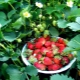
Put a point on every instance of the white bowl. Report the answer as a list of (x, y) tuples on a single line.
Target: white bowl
[(46, 72)]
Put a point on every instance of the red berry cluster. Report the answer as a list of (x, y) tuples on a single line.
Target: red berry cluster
[(47, 53)]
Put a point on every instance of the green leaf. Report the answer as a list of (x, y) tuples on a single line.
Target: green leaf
[(25, 33), (31, 70), (3, 69), (4, 58), (49, 10), (74, 26), (78, 56), (11, 13), (78, 64), (53, 31), (34, 78), (60, 77), (59, 7), (75, 13), (2, 15), (62, 23), (3, 22), (11, 36), (74, 42), (13, 73), (18, 23), (78, 20), (1, 35), (68, 49)]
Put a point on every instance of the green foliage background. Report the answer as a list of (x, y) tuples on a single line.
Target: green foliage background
[(15, 30)]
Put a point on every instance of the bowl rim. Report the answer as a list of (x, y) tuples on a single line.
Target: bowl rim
[(25, 61)]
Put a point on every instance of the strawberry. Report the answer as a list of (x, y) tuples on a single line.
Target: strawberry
[(36, 51), (61, 47), (47, 61), (38, 45), (40, 66), (70, 56), (44, 50), (49, 67), (61, 40), (30, 45), (32, 59), (39, 56), (42, 40), (65, 60), (49, 54), (54, 67), (57, 59), (47, 43)]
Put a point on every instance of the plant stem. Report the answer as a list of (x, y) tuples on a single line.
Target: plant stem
[(2, 46), (19, 62), (15, 63), (26, 76), (11, 6)]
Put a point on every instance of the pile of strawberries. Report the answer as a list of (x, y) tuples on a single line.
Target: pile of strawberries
[(47, 53)]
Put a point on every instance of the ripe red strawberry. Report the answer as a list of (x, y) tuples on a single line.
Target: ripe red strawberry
[(30, 45), (61, 47), (49, 67), (65, 60), (36, 51), (57, 59), (44, 50), (39, 56), (40, 66), (54, 67), (47, 61), (47, 43), (38, 45), (61, 40), (42, 40), (49, 54)]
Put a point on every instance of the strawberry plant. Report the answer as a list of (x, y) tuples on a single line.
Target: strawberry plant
[(24, 20)]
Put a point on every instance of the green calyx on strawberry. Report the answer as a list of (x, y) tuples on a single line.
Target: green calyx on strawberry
[(29, 52), (32, 59)]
